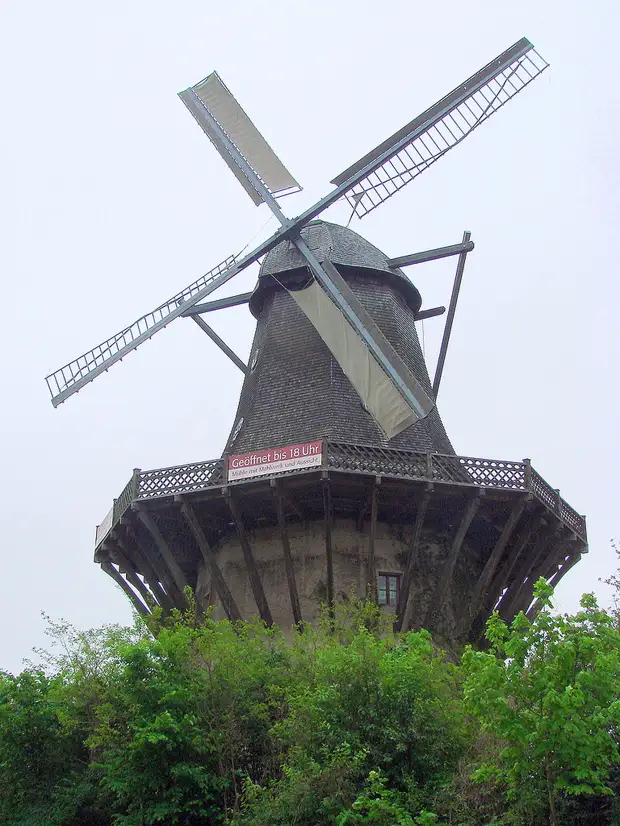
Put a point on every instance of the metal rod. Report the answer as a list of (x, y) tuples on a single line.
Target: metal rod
[(220, 343), (430, 255), (450, 318), (218, 304)]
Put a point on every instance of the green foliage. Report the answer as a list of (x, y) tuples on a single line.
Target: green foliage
[(548, 690), (346, 723)]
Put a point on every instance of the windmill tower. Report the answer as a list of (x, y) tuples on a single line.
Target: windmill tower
[(338, 474)]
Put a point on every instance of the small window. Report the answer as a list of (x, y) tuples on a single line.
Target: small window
[(389, 589), (235, 432)]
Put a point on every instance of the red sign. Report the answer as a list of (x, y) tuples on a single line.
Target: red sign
[(274, 460)]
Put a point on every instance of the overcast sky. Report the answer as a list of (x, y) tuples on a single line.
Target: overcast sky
[(113, 200)]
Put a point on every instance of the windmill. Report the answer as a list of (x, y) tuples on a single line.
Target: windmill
[(300, 260)]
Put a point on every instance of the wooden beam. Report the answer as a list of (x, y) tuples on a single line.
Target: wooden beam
[(177, 575), (328, 512), (371, 580), (431, 255), (220, 343), (250, 562), (218, 304), (119, 579), (289, 500), (480, 588), (525, 595), (148, 569), (412, 553), (564, 568), (503, 575), (447, 573), (226, 598), (528, 564), (432, 312), (443, 349), (131, 573), (286, 553)]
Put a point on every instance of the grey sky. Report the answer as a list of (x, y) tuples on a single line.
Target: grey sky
[(113, 199)]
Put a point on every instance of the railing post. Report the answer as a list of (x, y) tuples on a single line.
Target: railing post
[(135, 483), (528, 474), (558, 502), (324, 454)]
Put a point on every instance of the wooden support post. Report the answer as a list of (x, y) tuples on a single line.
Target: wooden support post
[(548, 551), (152, 577), (131, 573), (566, 565), (524, 570), (371, 579), (226, 598), (484, 580), (250, 562), (412, 553), (170, 563), (328, 521), (119, 579), (503, 575), (445, 578), (286, 552)]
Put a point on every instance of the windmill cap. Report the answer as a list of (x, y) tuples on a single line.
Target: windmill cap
[(335, 243)]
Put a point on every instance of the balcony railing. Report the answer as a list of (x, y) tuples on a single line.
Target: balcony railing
[(351, 458)]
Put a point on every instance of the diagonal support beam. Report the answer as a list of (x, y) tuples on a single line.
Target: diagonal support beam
[(176, 574), (220, 343), (492, 562), (132, 575), (447, 573), (226, 598), (146, 567), (120, 580), (250, 562), (528, 564), (445, 341), (412, 553), (286, 552)]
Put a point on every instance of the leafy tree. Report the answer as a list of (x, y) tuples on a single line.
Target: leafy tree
[(548, 690)]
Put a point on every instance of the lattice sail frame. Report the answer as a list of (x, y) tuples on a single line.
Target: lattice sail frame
[(411, 157), (114, 348)]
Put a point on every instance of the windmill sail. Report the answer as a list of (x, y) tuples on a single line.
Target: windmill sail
[(406, 154), (376, 390), (213, 105), (67, 380)]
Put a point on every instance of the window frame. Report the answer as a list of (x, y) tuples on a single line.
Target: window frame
[(388, 575)]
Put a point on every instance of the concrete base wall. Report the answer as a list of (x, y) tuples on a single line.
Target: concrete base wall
[(350, 563)]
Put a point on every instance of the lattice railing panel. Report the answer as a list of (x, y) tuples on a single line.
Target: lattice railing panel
[(547, 495), (387, 462), (573, 519), (180, 479), (494, 473), (124, 500)]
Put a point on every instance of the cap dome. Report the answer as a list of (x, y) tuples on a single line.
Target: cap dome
[(337, 244)]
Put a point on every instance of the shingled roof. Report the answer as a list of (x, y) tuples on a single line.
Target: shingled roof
[(295, 391), (340, 245)]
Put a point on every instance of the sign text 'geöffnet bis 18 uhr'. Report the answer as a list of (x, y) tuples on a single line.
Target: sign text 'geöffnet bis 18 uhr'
[(274, 460)]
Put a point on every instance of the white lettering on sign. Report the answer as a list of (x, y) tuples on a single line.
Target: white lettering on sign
[(275, 460)]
